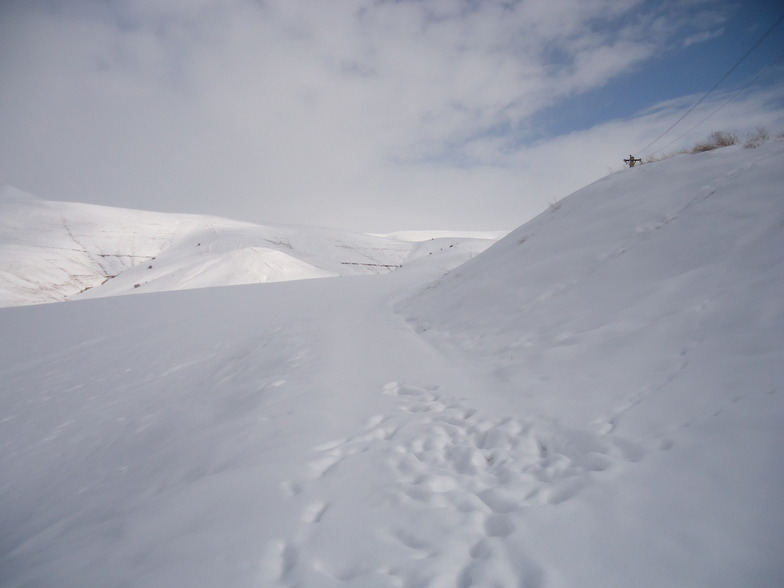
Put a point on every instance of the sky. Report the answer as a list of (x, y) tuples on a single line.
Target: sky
[(368, 115)]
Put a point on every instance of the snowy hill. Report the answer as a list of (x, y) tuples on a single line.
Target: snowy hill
[(53, 251), (643, 321), (594, 401)]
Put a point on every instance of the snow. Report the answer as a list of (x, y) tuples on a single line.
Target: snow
[(53, 251), (596, 400), (417, 236)]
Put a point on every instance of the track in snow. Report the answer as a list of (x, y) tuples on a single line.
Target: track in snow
[(448, 506)]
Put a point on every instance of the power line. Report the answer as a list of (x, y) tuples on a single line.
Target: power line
[(716, 85), (732, 98)]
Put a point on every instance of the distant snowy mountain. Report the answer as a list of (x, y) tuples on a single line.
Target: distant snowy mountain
[(53, 251), (597, 400)]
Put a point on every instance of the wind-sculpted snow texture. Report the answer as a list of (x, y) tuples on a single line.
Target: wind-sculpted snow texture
[(595, 401)]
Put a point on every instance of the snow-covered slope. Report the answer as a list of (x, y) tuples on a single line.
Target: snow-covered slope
[(644, 315), (53, 251), (594, 401)]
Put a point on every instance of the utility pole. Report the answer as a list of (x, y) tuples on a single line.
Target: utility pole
[(632, 160)]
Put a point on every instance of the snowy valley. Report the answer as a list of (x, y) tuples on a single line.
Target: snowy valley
[(595, 400)]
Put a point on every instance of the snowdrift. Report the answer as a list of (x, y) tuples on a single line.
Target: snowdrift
[(594, 401)]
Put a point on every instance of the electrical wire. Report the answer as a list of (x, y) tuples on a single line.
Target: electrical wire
[(732, 98), (716, 85)]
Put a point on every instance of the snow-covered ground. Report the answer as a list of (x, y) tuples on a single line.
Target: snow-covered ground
[(597, 400), (53, 251)]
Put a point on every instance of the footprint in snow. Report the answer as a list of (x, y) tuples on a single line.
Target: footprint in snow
[(458, 485)]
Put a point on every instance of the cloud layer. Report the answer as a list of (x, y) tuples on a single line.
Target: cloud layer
[(358, 113)]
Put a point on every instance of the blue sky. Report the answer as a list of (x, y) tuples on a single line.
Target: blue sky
[(681, 71), (364, 114), (685, 66)]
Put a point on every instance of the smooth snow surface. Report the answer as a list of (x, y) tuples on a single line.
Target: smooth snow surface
[(597, 401)]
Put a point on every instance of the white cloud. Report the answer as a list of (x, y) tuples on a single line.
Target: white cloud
[(703, 36), (347, 112)]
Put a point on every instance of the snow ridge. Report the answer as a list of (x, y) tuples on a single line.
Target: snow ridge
[(55, 251)]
